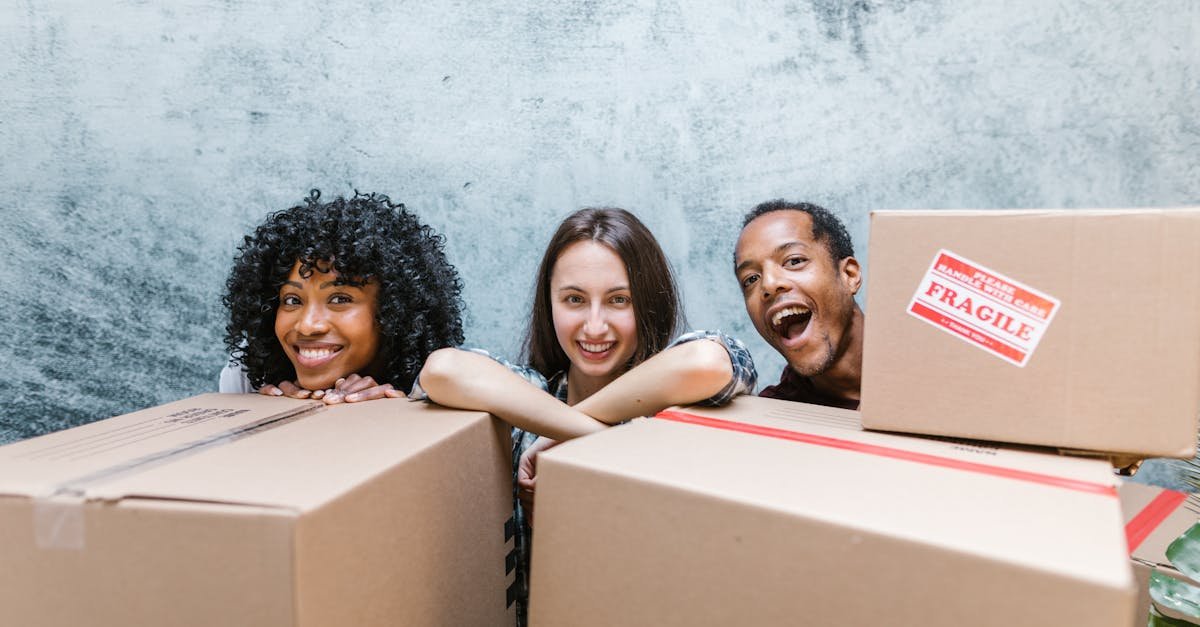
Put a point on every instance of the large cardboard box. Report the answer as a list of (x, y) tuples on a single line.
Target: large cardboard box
[(1075, 329), (1154, 518), (244, 510), (775, 513)]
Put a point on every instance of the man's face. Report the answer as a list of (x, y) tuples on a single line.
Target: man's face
[(800, 300)]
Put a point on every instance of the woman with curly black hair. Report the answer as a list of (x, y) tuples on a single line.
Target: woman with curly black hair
[(342, 300)]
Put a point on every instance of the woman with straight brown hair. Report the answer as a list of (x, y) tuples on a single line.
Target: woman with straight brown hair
[(598, 349)]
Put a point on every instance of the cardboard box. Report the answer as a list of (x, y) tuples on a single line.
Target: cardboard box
[(1154, 518), (776, 513), (1074, 329), (235, 510)]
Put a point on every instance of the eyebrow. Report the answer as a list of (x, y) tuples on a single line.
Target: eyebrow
[(576, 288), (778, 249), (324, 285)]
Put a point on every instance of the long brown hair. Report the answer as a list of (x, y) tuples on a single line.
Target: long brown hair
[(651, 284)]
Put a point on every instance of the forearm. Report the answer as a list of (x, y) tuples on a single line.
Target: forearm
[(687, 373), (466, 380)]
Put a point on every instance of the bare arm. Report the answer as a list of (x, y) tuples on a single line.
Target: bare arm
[(685, 373), (466, 380)]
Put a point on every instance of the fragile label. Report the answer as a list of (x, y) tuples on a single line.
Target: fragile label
[(983, 307)]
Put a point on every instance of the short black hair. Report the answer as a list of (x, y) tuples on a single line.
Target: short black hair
[(367, 237), (826, 227)]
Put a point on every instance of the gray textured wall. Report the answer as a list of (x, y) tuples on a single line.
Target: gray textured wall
[(141, 141)]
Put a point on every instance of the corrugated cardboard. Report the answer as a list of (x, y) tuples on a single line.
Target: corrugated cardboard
[(1115, 370), (246, 510), (663, 523), (1154, 518)]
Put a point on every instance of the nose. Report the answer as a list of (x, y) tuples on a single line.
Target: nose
[(596, 323), (313, 320), (772, 281)]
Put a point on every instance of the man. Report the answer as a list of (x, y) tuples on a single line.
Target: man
[(796, 266)]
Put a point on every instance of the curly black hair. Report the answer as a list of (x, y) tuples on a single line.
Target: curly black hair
[(826, 227), (367, 237)]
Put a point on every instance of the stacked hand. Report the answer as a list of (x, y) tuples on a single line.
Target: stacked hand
[(351, 389)]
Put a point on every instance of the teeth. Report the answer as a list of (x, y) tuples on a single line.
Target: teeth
[(794, 310), (315, 353), (596, 348)]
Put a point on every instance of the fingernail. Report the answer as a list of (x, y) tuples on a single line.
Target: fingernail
[(277, 392), (340, 381)]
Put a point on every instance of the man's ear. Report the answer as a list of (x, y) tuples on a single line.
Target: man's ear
[(850, 273)]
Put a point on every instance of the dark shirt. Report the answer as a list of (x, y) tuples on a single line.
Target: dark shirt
[(793, 387)]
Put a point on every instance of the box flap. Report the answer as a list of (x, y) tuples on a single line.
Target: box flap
[(69, 460), (305, 463), (1039, 510), (1154, 518)]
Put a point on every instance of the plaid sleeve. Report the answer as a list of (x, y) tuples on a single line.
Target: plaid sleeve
[(533, 377), (745, 377)]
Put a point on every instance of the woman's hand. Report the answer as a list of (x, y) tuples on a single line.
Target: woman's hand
[(290, 390), (354, 389), (351, 389), (527, 474)]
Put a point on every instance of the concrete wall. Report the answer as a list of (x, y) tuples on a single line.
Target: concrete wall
[(140, 140)]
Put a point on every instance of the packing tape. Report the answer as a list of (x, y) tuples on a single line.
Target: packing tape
[(511, 593), (58, 516), (894, 453), (58, 522), (1146, 521)]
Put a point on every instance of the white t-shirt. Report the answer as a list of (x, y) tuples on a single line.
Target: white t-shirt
[(234, 381)]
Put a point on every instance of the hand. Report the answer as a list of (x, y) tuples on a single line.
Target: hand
[(290, 390), (527, 474), (354, 389)]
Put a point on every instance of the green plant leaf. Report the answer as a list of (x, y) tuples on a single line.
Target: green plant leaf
[(1174, 595), (1158, 620), (1184, 552)]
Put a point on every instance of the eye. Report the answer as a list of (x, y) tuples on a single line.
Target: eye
[(748, 280), (621, 299), (574, 299), (290, 300), (340, 299), (792, 262)]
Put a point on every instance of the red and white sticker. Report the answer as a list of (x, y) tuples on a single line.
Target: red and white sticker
[(983, 307)]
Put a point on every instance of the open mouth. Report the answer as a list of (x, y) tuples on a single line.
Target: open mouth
[(595, 350), (790, 322), (311, 356)]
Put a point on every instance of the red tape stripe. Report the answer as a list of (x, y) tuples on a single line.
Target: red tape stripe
[(894, 453), (1139, 527)]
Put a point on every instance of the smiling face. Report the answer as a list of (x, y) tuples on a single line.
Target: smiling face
[(800, 300), (592, 309), (328, 329)]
